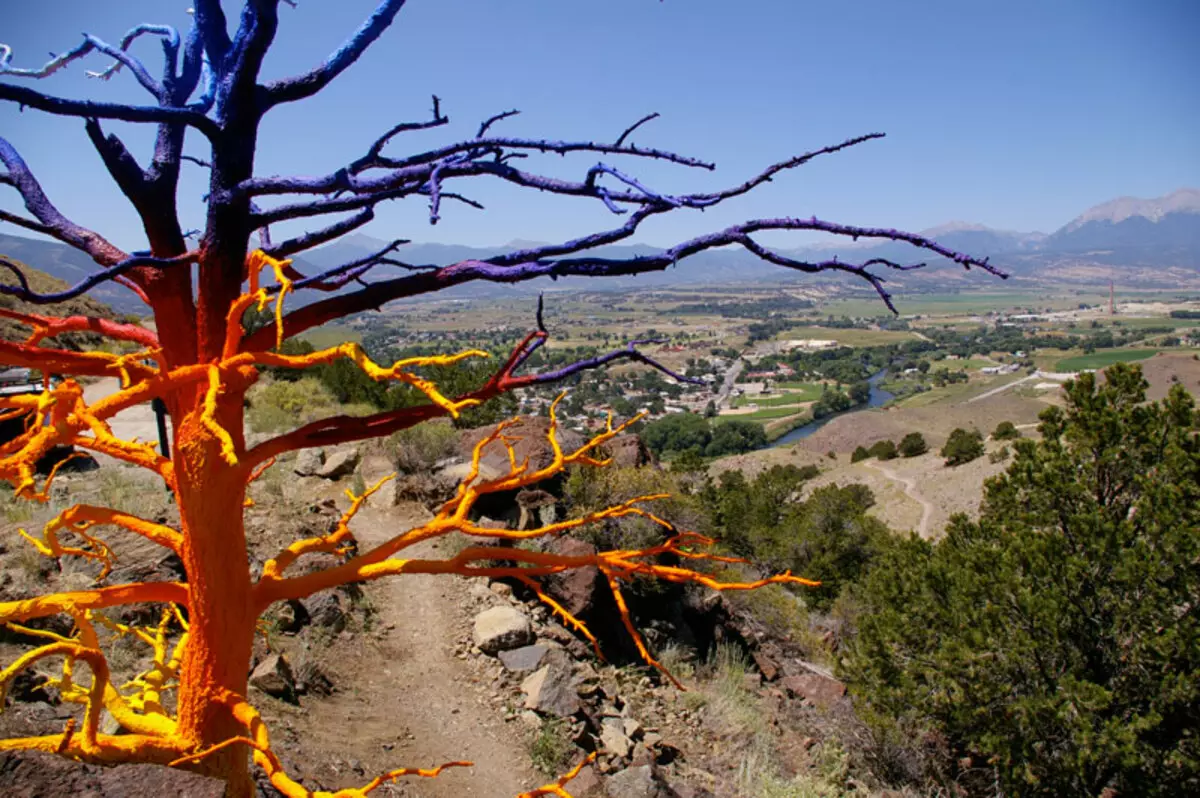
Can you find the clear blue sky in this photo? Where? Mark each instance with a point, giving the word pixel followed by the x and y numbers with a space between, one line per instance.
pixel 1017 114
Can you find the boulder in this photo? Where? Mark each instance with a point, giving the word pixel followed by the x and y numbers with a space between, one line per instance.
pixel 325 611
pixel 309 462
pixel 339 464
pixel 821 690
pixel 628 451
pixel 501 629
pixel 574 589
pixel 531 441
pixel 524 659
pixel 274 677
pixel 33 774
pixel 635 782
pixel 550 691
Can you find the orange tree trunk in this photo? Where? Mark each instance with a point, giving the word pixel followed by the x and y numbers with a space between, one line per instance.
pixel 210 495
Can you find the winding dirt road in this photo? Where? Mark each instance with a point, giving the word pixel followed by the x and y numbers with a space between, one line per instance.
pixel 910 490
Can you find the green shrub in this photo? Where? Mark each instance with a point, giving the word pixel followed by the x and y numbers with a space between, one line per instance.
pixel 883 450
pixel 962 447
pixel 1056 639
pixel 859 453
pixel 416 449
pixel 1005 431
pixel 913 445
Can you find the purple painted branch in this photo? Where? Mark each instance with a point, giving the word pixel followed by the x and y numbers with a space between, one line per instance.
pixel 629 130
pixel 493 120
pixel 57 225
pixel 628 352
pixel 504 270
pixel 24 292
pixel 429 178
pixel 306 85
pixel 318 237
pixel 339 276
pixel 404 127
pixel 87 109
pixel 121 165
pixel 407 168
pixel 28 224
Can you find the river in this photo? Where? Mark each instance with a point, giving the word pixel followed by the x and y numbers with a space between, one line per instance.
pixel 878 398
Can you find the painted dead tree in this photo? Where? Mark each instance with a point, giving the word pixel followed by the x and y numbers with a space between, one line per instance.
pixel 200 361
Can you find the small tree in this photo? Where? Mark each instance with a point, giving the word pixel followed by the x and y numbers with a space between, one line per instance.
pixel 913 445
pixel 962 446
pixel 883 450
pixel 859 453
pixel 1055 642
pixel 1005 431
pixel 200 360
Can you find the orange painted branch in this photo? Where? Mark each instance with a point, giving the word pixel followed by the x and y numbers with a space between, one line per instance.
pixel 59 361
pixel 77 601
pixel 559 787
pixel 49 326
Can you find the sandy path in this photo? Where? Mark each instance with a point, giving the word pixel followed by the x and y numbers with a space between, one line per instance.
pixel 135 422
pixel 422 707
pixel 910 490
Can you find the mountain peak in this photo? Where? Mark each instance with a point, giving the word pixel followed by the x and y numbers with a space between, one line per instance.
pixel 1184 200
pixel 955 227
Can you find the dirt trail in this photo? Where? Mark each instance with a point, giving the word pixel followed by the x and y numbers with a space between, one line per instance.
pixel 421 707
pixel 910 490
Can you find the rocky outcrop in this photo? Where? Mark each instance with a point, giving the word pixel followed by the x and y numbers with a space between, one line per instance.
pixel 32 774
pixel 309 462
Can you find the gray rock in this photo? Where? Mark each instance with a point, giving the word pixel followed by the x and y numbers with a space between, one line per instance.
pixel 309 462
pixel 523 659
pixel 339 464
pixel 274 677
pixel 500 629
pixel 612 736
pixel 550 692
pixel 32 774
pixel 325 610
pixel 635 782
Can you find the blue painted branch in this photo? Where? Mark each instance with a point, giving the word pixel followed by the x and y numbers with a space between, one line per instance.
pixel 87 109
pixel 308 84
pixel 23 291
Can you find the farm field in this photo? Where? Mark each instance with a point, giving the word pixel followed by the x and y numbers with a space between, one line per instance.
pixel 1099 360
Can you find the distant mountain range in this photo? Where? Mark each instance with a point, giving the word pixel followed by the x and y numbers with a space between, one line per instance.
pixel 1149 241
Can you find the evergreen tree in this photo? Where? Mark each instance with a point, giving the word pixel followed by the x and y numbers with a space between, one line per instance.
pixel 1056 641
